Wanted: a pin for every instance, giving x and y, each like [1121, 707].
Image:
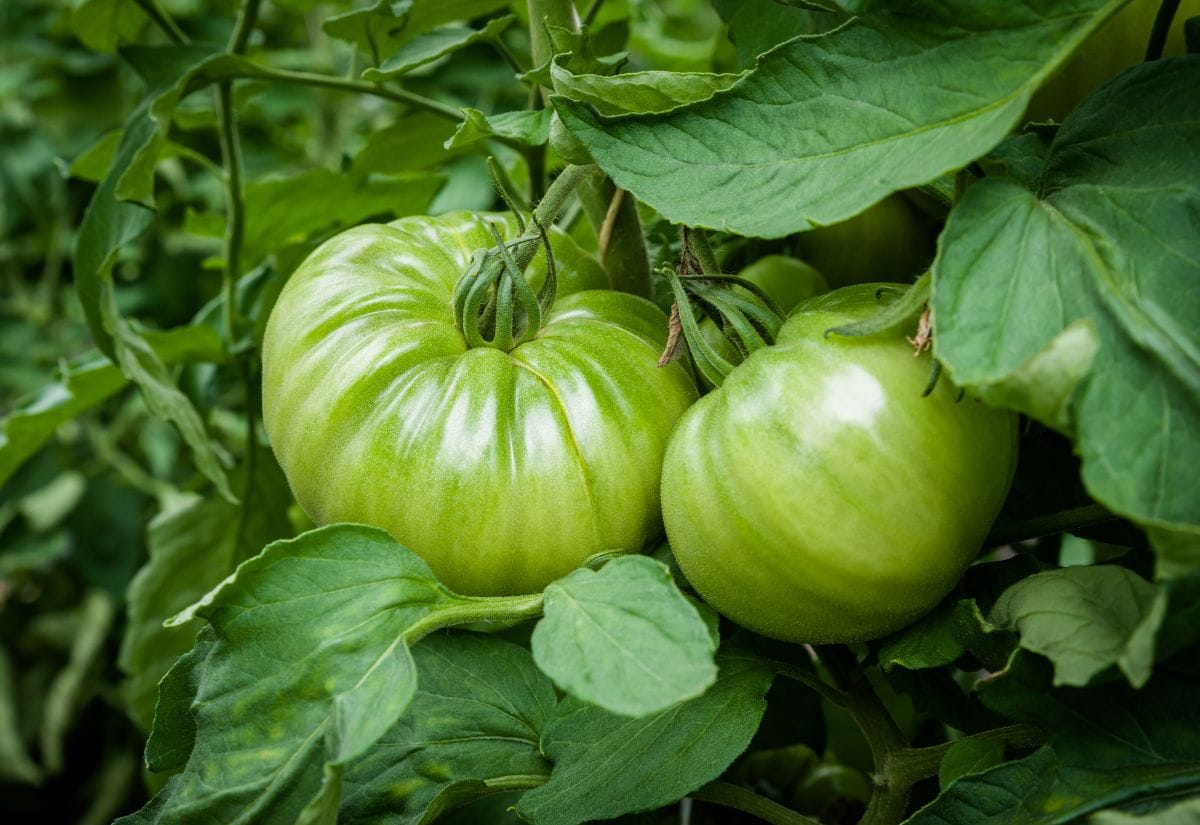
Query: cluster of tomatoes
[815, 496]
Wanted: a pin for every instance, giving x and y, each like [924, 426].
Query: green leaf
[531, 127]
[433, 45]
[1086, 619]
[638, 92]
[931, 642]
[607, 765]
[1105, 748]
[624, 638]
[140, 363]
[1108, 240]
[283, 210]
[103, 25]
[900, 97]
[309, 668]
[93, 162]
[968, 756]
[192, 548]
[472, 728]
[413, 143]
[170, 743]
[90, 382]
[756, 26]
[383, 28]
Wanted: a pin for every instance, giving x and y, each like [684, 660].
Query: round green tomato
[787, 281]
[890, 240]
[1117, 45]
[503, 470]
[817, 497]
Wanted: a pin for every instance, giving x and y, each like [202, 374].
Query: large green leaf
[624, 638]
[309, 668]
[826, 125]
[434, 45]
[1105, 748]
[607, 765]
[472, 729]
[1105, 246]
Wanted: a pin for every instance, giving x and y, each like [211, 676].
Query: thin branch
[740, 799]
[1064, 521]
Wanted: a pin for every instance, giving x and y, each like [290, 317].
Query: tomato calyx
[750, 319]
[494, 305]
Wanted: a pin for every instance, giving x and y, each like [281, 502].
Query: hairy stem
[914, 764]
[625, 258]
[478, 609]
[733, 796]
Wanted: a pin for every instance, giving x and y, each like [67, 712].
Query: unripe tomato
[503, 470]
[1117, 45]
[890, 239]
[817, 497]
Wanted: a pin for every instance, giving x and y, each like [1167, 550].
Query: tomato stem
[1162, 27]
[733, 796]
[473, 609]
[1063, 521]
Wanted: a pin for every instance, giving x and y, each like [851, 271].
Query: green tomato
[503, 470]
[817, 497]
[1117, 45]
[891, 239]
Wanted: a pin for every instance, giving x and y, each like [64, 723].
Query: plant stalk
[1064, 521]
[1162, 27]
[476, 609]
[733, 796]
[163, 20]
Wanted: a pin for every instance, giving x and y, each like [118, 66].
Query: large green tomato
[817, 497]
[1114, 47]
[503, 470]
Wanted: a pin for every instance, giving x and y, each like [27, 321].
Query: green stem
[733, 796]
[589, 16]
[341, 84]
[161, 18]
[698, 243]
[914, 764]
[1064, 521]
[889, 798]
[559, 13]
[476, 609]
[813, 682]
[1162, 27]
[624, 257]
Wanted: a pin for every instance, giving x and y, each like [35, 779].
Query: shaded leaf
[607, 765]
[638, 92]
[381, 29]
[1105, 748]
[1086, 619]
[472, 729]
[103, 25]
[900, 97]
[969, 756]
[624, 638]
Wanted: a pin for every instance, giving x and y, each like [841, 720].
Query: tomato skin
[503, 470]
[817, 497]
[892, 239]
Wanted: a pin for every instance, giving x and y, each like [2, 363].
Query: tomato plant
[344, 341]
[504, 468]
[818, 497]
